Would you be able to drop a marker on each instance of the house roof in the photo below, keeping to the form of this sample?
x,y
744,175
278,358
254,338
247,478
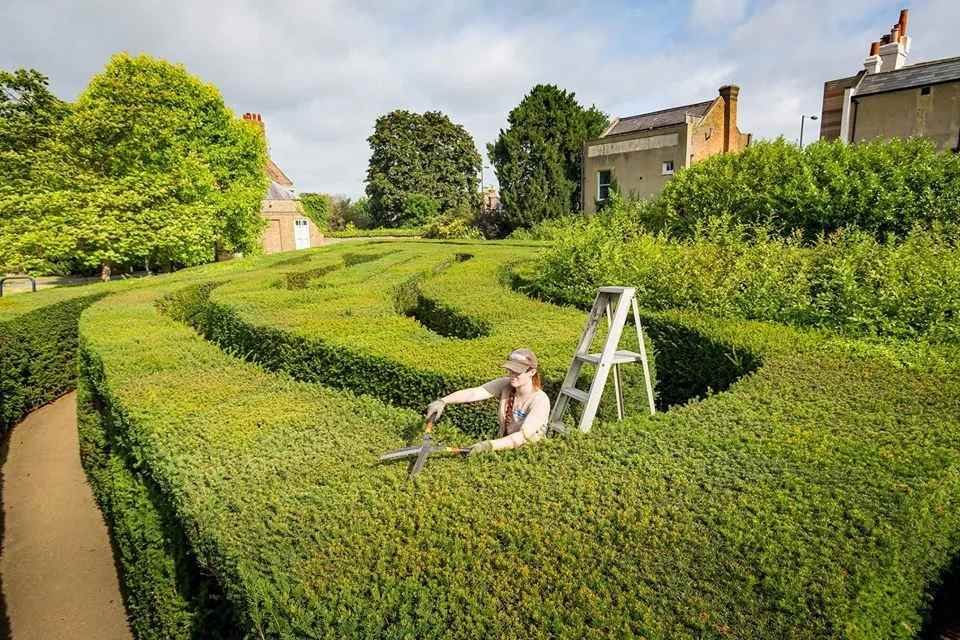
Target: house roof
x,y
277,175
914,75
656,119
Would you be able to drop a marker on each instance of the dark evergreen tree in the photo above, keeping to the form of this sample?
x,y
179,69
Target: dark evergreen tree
x,y
537,158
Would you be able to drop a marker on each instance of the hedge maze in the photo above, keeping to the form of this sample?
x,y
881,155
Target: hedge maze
x,y
794,484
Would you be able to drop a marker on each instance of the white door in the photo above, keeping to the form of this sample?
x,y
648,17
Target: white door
x,y
301,233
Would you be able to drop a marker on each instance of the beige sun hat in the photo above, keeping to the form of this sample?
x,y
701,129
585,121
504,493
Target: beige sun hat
x,y
520,360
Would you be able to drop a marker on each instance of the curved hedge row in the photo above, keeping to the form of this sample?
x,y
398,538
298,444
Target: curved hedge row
x,y
816,498
406,327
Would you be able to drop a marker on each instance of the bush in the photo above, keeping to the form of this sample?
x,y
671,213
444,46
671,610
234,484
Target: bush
x,y
846,282
880,187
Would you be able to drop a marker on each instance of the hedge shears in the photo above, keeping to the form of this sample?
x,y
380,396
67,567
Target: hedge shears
x,y
420,451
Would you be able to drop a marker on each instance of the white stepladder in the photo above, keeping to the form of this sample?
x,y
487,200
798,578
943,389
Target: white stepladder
x,y
622,300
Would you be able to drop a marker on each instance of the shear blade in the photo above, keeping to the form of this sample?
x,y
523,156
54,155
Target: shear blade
x,y
401,453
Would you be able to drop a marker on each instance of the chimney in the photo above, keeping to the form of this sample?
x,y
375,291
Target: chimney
x,y
255,118
873,62
730,94
896,45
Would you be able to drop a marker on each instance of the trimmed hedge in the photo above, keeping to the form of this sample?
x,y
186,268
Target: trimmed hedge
x,y
37,351
400,327
816,498
399,232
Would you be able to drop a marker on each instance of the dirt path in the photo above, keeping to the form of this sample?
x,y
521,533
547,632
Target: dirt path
x,y
56,563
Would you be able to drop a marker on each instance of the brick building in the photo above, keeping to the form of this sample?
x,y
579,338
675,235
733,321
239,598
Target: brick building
x,y
889,98
641,153
288,228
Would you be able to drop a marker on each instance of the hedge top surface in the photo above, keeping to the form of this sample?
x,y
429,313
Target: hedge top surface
x,y
817,498
358,307
14,305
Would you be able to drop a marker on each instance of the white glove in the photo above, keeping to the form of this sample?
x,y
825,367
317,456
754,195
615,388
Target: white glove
x,y
435,409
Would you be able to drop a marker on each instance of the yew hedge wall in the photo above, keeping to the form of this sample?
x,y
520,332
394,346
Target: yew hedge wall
x,y
816,497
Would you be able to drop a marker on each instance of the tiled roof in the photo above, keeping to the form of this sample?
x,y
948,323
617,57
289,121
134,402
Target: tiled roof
x,y
277,175
656,119
914,75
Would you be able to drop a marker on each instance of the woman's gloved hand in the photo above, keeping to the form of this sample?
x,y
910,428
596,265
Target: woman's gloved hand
x,y
481,447
435,409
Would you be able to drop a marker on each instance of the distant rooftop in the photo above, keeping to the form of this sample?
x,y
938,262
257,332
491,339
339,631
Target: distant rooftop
x,y
657,119
910,76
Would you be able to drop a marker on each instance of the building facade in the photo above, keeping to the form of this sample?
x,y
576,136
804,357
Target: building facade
x,y
639,154
890,98
288,227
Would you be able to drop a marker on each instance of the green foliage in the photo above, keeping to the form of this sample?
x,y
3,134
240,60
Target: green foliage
x,y
149,165
352,232
846,282
881,187
318,207
537,158
427,155
817,497
37,351
29,113
456,223
419,209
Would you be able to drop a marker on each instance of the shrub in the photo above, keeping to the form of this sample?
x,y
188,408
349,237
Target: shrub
x,y
880,187
847,282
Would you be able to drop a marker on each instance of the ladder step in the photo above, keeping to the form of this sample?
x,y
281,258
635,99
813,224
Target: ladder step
x,y
615,289
558,427
574,393
619,357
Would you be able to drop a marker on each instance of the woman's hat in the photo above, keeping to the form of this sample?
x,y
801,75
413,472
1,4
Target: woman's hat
x,y
520,360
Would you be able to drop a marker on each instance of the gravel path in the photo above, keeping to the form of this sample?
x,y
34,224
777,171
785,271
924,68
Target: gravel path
x,y
58,576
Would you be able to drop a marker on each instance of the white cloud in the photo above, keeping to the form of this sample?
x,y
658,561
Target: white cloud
x,y
712,15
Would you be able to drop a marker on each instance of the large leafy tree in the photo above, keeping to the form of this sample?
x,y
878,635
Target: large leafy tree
x,y
149,166
537,158
424,154
29,112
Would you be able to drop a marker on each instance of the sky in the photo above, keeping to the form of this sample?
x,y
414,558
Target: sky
x,y
321,72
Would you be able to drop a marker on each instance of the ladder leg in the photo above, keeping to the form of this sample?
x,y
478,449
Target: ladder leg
x,y
643,358
618,390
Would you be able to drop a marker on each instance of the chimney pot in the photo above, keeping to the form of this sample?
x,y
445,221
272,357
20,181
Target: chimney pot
x,y
874,48
904,16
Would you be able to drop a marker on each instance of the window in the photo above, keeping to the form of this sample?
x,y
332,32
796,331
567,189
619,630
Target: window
x,y
925,91
667,168
603,184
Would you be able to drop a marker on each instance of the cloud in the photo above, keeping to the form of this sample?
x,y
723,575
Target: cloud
x,y
320,73
712,15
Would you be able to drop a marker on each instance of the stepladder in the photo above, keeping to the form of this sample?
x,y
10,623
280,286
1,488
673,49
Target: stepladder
x,y
616,304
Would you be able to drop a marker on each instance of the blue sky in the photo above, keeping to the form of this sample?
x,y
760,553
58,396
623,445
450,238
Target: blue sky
x,y
321,72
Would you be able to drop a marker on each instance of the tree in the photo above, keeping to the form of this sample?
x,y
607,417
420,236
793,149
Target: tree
x,y
537,158
420,154
29,113
318,207
148,166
